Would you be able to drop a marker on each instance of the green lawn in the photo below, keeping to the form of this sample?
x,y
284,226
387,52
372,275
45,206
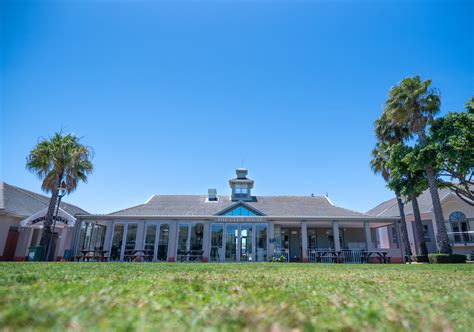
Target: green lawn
x,y
271,296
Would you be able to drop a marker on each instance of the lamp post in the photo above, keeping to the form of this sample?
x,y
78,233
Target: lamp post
x,y
61,193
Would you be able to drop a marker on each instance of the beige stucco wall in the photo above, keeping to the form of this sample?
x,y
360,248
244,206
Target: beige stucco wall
x,y
6,222
449,205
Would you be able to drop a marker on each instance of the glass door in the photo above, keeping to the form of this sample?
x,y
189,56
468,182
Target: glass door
x,y
149,243
156,242
231,242
246,245
163,240
117,241
261,243
183,243
217,249
131,239
190,242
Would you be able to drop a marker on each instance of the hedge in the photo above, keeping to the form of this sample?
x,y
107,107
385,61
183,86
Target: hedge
x,y
446,258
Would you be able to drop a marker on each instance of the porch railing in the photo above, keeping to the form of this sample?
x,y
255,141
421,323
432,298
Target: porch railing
x,y
321,255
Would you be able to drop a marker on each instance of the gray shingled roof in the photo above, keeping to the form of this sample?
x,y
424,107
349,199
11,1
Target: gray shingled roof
x,y
196,205
389,208
24,203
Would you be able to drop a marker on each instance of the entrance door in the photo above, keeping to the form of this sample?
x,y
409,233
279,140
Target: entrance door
x,y
295,245
190,238
10,245
156,242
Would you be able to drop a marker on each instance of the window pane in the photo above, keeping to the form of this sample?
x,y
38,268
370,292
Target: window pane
x,y
149,246
163,242
197,231
231,243
130,242
182,241
312,239
246,242
261,252
116,249
217,231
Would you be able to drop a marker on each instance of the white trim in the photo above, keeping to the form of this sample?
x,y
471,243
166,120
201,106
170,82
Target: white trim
x,y
42,213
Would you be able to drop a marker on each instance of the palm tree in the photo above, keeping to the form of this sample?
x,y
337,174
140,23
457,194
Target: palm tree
x,y
410,183
59,160
413,103
378,164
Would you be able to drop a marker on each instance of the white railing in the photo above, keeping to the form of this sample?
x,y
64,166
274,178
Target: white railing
x,y
461,237
322,255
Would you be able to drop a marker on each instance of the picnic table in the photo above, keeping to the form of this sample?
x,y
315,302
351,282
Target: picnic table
x,y
89,255
381,255
190,255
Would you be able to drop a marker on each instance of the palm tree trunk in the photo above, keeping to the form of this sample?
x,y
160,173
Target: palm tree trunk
x,y
405,241
48,221
442,233
420,234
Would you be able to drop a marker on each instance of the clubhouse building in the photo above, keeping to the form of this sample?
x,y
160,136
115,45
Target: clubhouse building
x,y
235,228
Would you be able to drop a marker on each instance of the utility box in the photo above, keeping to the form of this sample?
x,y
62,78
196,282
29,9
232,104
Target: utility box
x,y
35,254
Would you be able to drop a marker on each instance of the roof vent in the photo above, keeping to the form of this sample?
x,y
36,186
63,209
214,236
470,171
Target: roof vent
x,y
212,195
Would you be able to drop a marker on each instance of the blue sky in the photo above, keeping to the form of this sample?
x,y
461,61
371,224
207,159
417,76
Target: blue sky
x,y
173,96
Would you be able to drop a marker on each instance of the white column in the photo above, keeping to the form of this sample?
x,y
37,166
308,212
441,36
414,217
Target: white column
x,y
304,241
173,238
271,243
206,241
368,236
140,235
335,234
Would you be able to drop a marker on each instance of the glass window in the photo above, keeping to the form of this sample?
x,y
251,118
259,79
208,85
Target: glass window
x,y
182,241
149,247
163,242
246,242
231,234
312,238
240,211
197,231
217,231
116,249
459,226
130,242
261,252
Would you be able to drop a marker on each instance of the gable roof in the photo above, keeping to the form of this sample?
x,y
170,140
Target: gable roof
x,y
389,208
240,204
24,203
198,205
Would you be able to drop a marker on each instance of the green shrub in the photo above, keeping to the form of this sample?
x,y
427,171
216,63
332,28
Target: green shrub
x,y
445,258
280,259
420,259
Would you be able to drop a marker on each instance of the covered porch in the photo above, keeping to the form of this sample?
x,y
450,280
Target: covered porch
x,y
335,241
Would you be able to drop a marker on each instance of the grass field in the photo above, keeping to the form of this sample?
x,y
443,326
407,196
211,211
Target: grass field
x,y
273,296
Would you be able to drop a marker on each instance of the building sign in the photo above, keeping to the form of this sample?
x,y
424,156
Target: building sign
x,y
241,219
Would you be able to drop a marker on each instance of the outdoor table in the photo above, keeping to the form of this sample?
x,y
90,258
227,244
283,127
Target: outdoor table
x,y
97,254
381,255
192,255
